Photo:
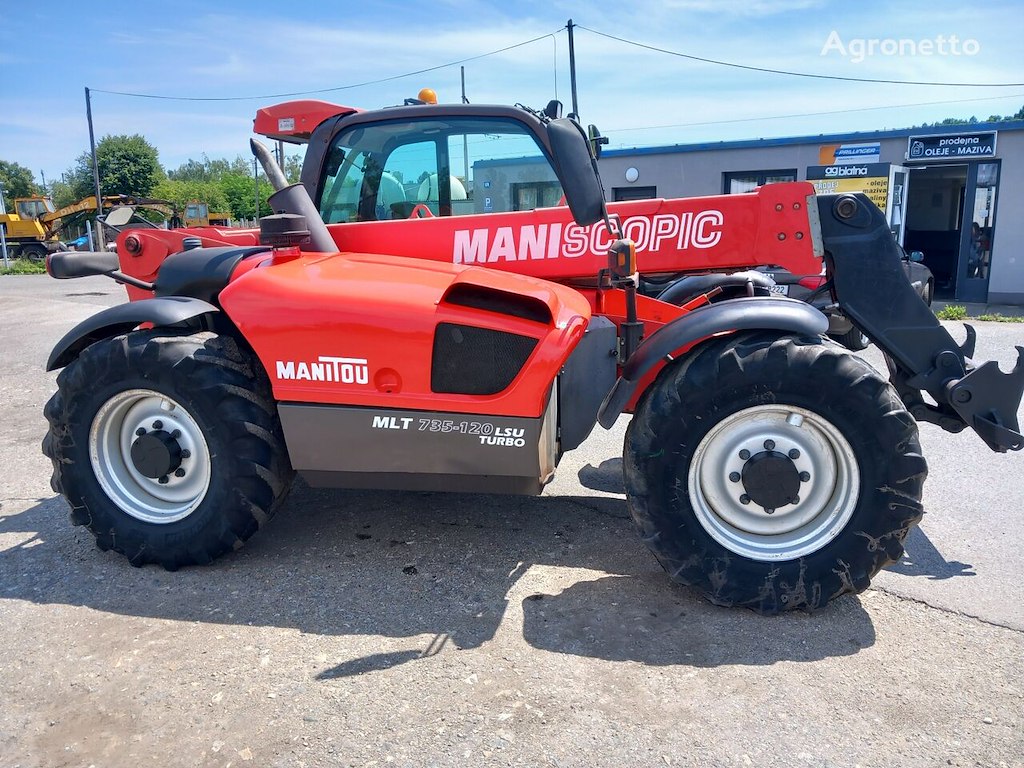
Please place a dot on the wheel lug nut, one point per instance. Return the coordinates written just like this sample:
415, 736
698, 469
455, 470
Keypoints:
769, 445
795, 500
186, 453
140, 431
179, 472
734, 477
794, 454
805, 477
164, 480
769, 510
177, 433
158, 424
744, 454
744, 499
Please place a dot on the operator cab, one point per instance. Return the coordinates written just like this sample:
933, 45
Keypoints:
425, 166
33, 207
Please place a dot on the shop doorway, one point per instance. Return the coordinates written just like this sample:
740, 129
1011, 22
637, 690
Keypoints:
934, 218
951, 220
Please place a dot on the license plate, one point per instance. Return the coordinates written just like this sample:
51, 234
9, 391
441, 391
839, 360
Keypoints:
782, 290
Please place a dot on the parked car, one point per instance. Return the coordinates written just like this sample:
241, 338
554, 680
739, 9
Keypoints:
809, 288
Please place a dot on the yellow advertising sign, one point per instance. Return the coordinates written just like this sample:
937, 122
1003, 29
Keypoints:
875, 187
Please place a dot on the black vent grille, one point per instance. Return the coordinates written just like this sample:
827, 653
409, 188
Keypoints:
476, 361
479, 297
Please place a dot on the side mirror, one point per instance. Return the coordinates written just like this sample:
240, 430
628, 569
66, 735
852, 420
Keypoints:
916, 256
596, 140
119, 216
577, 171
553, 109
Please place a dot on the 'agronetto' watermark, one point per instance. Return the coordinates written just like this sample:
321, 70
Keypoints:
859, 48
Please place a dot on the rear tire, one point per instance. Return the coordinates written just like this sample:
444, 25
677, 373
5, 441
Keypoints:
725, 423
167, 447
33, 252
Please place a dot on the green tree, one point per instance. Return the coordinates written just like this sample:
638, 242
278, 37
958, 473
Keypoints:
210, 170
128, 165
62, 194
240, 192
1019, 115
182, 192
17, 181
201, 170
293, 168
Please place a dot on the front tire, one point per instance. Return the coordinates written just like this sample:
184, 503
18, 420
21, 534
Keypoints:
854, 339
773, 472
33, 252
167, 446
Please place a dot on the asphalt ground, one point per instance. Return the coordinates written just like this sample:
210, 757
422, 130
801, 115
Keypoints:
413, 629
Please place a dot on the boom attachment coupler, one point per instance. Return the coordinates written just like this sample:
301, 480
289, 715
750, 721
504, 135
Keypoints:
873, 291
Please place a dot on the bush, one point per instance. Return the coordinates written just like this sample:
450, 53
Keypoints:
23, 267
952, 312
997, 318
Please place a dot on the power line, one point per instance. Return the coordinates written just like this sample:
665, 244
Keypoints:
327, 90
792, 74
812, 114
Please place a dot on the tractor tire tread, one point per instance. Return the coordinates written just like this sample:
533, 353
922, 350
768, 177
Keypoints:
218, 372
707, 380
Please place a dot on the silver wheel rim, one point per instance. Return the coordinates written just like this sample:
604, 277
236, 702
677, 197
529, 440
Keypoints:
826, 501
114, 430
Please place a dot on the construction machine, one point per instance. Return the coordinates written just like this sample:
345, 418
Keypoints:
198, 214
446, 302
27, 235
34, 228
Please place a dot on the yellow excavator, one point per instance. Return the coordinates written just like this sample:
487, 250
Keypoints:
34, 226
198, 214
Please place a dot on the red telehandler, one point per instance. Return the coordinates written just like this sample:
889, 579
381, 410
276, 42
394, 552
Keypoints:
445, 302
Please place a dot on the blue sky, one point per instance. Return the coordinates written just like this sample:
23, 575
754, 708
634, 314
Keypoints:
50, 51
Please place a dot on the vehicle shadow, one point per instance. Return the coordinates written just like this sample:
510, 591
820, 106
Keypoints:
446, 569
606, 477
922, 558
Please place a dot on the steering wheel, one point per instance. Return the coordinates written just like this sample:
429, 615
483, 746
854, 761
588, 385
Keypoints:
421, 211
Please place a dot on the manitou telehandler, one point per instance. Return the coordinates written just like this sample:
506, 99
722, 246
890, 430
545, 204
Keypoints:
446, 303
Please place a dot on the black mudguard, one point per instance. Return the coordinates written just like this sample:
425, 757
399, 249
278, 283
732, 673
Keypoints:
757, 313
166, 310
872, 289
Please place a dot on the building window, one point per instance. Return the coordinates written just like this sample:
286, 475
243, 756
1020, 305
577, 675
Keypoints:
535, 194
620, 194
747, 181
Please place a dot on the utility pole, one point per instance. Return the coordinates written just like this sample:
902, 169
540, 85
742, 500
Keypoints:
3, 229
95, 169
256, 184
465, 137
572, 71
